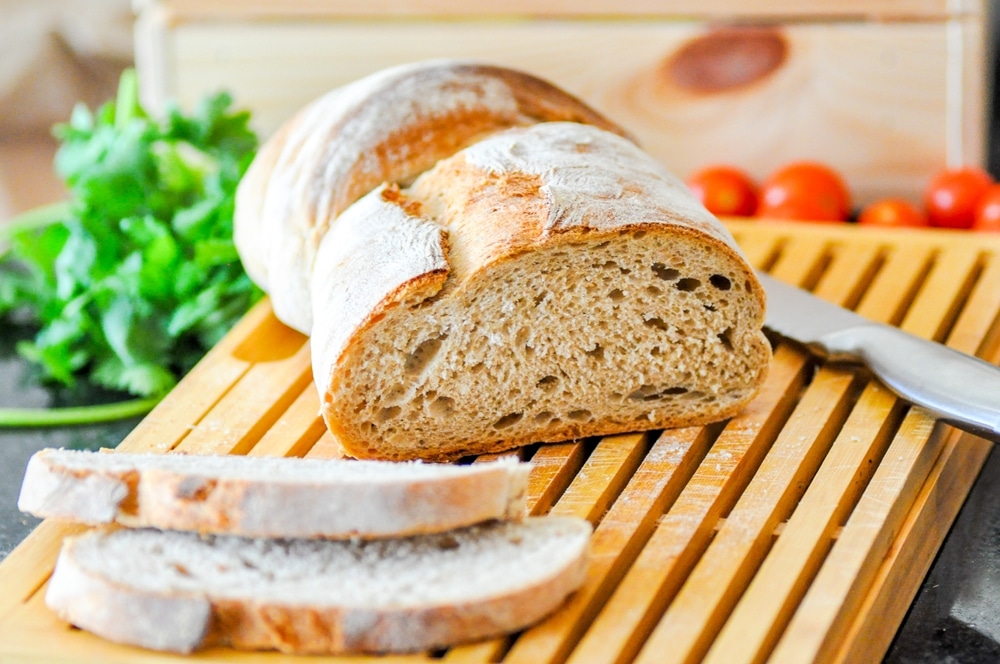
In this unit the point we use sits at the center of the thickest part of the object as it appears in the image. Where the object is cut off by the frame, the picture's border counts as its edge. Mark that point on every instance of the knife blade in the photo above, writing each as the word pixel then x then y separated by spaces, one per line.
pixel 960 389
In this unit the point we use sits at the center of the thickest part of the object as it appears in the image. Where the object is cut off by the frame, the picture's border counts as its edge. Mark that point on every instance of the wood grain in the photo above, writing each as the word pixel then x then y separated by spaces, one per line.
pixel 885 102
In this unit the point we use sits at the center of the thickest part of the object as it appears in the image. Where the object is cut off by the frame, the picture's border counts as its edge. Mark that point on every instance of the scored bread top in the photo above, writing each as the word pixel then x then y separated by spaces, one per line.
pixel 387 127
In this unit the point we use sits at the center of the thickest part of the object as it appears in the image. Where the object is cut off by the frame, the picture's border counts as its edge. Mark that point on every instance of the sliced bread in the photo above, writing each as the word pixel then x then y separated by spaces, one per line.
pixel 271 497
pixel 548 282
pixel 180 592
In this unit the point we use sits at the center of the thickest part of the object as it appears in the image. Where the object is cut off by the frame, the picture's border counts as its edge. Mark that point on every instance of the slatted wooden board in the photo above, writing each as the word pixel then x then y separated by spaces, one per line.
pixel 798 531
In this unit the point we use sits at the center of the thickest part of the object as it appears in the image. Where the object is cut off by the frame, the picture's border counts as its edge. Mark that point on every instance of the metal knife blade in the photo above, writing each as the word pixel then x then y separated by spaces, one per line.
pixel 955 387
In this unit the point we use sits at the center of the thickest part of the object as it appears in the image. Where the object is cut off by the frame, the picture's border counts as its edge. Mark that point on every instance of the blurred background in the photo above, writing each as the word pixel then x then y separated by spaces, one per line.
pixel 887 91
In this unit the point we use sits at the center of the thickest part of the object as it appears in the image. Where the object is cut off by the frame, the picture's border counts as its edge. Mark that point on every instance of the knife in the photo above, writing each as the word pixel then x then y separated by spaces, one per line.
pixel 959 389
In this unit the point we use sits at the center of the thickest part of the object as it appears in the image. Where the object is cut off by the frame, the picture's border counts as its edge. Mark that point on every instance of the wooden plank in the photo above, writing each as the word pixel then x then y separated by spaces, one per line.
pixel 766 606
pixel 942 496
pixel 191 10
pixel 296 431
pixel 254 403
pixel 724 569
pixel 880 102
pixel 554 467
pixel 28 566
pixel 821 622
pixel 903 570
pixel 684 531
pixel 327 447
pixel 802 260
pixel 84 648
pixel 618 538
pixel 602 477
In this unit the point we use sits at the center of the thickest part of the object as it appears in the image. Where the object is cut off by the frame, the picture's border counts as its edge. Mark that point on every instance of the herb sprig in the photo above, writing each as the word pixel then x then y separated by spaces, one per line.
pixel 134 278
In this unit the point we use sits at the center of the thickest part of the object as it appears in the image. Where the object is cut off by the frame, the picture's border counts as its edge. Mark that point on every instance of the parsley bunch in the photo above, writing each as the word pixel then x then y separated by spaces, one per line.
pixel 136 276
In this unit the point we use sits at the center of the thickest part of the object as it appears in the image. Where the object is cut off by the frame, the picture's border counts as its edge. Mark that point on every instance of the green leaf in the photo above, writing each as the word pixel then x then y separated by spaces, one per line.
pixel 137 276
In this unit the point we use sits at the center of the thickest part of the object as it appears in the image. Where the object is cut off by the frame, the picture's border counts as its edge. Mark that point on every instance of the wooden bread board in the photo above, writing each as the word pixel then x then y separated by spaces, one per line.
pixel 798 531
pixel 885 91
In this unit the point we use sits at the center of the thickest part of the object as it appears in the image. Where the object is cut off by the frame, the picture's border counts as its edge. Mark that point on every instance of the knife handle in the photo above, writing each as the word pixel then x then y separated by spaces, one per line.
pixel 958 388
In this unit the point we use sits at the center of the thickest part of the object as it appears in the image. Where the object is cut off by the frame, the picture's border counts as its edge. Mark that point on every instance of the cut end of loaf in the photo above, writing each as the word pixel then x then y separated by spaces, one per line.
pixel 634 331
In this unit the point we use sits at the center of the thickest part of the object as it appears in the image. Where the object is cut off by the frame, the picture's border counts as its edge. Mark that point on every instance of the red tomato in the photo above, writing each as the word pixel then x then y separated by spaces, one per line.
pixel 952 195
pixel 724 190
pixel 988 210
pixel 805 190
pixel 892 213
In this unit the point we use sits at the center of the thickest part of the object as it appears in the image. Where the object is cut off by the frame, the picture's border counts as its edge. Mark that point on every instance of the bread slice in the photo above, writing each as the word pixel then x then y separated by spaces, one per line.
pixel 271 497
pixel 387 127
pixel 179 592
pixel 546 283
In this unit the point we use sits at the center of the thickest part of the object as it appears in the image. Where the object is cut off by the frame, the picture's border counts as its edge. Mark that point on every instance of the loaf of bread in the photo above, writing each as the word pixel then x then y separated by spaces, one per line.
pixel 546 281
pixel 271 497
pixel 387 127
pixel 180 592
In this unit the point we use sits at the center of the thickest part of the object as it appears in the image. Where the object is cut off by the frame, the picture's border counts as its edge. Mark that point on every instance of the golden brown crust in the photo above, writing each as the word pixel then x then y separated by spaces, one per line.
pixel 518 194
pixel 387 128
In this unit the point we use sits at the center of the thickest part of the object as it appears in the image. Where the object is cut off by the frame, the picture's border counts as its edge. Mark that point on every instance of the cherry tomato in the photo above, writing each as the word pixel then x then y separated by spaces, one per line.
pixel 988 210
pixel 952 195
pixel 724 190
pixel 892 213
pixel 807 191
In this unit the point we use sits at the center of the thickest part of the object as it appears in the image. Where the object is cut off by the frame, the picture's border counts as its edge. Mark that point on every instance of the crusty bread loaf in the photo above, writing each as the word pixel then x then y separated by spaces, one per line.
pixel 179 592
pixel 271 497
pixel 545 283
pixel 387 127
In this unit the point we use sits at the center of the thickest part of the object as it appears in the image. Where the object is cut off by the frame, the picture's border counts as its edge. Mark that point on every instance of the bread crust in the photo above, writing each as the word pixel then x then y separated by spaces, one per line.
pixel 139 490
pixel 516 194
pixel 388 127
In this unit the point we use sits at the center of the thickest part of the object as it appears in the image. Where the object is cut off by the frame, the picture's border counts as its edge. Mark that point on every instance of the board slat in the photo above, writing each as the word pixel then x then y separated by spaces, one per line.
pixel 799 530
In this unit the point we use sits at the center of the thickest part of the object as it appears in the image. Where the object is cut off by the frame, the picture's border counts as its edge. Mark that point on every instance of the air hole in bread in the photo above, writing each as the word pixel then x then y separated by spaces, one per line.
pixel 664 272
pixel 726 337
pixel 442 406
pixel 721 282
pixel 579 415
pixel 616 295
pixel 657 323
pixel 638 235
pixel 521 338
pixel 688 284
pixel 597 352
pixel 653 393
pixel 477 367
pixel 422 355
pixel 508 420
pixel 654 291
pixel 543 417
pixel 548 383
pixel 709 306
pixel 389 413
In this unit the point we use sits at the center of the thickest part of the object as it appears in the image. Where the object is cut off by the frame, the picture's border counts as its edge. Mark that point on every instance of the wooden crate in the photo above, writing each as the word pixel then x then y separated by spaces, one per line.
pixel 797 531
pixel 887 91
